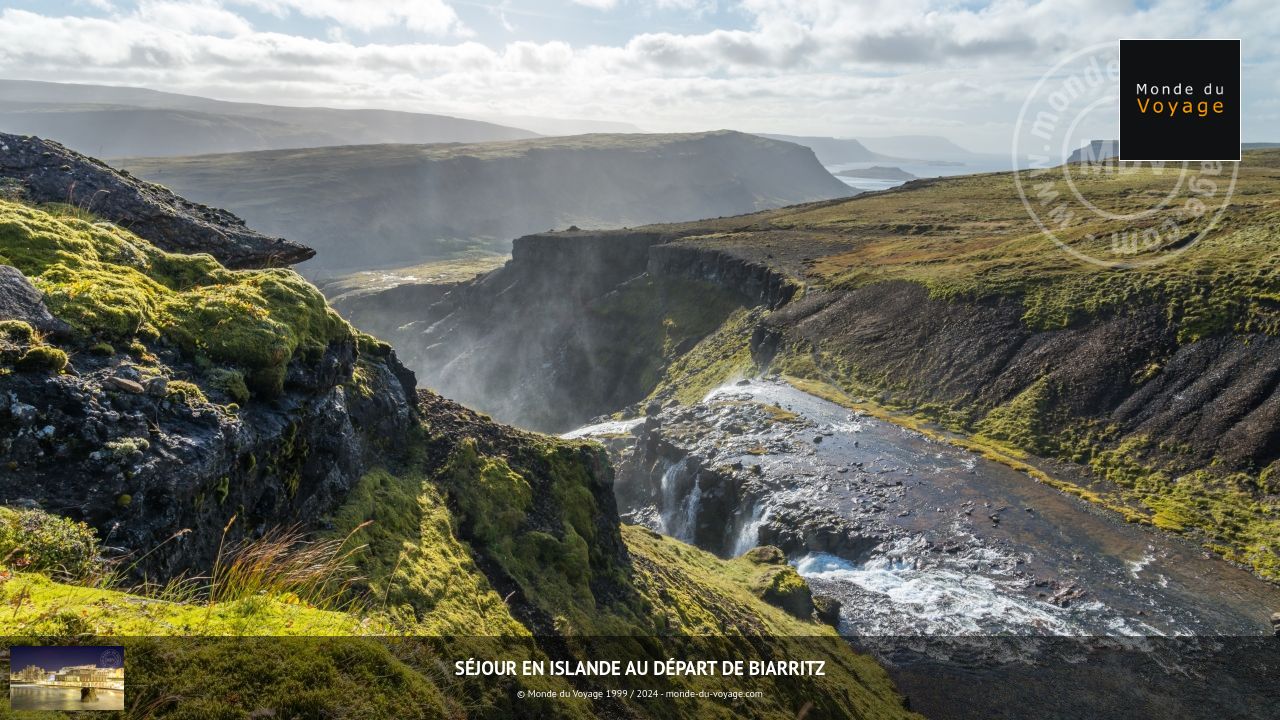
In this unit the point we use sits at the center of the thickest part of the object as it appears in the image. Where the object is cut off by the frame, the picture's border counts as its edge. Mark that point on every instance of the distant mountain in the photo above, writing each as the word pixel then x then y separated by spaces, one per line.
pixel 563 126
pixel 878 172
pixel 380 206
pixel 108 121
pixel 831 151
pixel 919 147
pixel 1096 151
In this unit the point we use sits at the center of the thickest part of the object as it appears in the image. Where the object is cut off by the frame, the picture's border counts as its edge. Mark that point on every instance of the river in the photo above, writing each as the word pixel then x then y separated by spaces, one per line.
pixel 925 542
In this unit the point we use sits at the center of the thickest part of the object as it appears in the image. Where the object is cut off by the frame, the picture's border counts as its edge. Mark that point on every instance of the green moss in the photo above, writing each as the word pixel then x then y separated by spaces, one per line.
pixel 360 383
pixel 492 497
pixel 111 285
pixel 1023 420
pixel 185 392
pixel 18 331
pixel 102 349
pixel 113 613
pixel 231 382
pixel 42 358
pixel 783 587
pixel 414 564
pixel 719 357
pixel 370 345
pixel 124 500
pixel 128 447
pixel 37 541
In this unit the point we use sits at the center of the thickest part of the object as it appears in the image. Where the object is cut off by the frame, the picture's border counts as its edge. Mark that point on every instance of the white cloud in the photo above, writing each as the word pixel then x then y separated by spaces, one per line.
pixel 597 4
pixel 800 66
pixel 192 16
pixel 426 16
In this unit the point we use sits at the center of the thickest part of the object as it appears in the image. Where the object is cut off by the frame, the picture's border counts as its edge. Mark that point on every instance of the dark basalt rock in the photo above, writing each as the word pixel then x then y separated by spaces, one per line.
pixel 44 171
pixel 20 300
pixel 76 445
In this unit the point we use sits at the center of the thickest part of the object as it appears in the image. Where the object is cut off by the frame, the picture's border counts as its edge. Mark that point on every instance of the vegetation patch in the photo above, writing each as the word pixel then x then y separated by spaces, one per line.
pixel 39 542
pixel 718 358
pixel 112 286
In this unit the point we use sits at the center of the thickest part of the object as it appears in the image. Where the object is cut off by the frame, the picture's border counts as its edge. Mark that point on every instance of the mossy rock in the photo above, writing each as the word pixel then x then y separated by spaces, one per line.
pixel 230 382
pixel 17 331
pixel 112 286
pixel 766 555
pixel 184 391
pixel 42 358
pixel 784 588
pixel 370 345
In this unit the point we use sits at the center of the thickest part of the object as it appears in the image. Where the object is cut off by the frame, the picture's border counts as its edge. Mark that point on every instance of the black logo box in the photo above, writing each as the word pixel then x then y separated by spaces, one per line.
pixel 1183 65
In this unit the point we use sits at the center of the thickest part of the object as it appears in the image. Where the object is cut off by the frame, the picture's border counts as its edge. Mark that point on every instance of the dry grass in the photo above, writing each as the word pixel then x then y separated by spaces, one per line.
pixel 284 563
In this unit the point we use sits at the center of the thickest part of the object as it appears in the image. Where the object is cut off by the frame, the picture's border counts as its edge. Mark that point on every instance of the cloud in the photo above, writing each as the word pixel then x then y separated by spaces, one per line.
pixel 192 16
pixel 426 16
pixel 801 66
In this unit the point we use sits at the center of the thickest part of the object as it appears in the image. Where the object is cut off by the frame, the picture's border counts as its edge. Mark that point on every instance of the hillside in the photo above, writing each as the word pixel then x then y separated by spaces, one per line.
pixel 1150 391
pixel 198 451
pixel 108 121
pixel 365 207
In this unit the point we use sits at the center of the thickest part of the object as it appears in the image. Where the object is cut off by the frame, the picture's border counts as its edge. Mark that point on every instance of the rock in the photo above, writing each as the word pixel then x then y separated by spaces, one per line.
pixel 766 555
pixel 827 609
pixel 20 300
pixel 125 384
pixel 1275 623
pixel 157 386
pixel 150 211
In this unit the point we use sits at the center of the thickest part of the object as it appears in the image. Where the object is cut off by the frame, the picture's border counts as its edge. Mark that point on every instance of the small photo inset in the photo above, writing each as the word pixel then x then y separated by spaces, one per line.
pixel 86 677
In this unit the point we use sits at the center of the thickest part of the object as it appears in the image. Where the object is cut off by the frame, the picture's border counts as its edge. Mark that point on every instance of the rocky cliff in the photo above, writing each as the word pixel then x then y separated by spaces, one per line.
pixel 1151 391
pixel 576 324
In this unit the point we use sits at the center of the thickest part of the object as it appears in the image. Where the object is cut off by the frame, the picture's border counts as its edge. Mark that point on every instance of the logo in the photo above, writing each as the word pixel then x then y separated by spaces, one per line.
pixel 1092 205
pixel 110 658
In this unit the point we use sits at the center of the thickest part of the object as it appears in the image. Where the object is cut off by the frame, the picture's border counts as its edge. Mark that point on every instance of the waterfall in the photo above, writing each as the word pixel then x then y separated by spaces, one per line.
pixel 670 491
pixel 688 528
pixel 749 534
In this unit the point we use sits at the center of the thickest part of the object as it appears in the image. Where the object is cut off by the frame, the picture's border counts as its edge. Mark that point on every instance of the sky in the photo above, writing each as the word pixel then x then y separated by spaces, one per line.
pixel 58 657
pixel 808 67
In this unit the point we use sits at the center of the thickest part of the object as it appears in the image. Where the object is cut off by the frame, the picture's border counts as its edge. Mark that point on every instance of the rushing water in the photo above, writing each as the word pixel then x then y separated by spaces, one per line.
pixel 975 548
pixel 982 592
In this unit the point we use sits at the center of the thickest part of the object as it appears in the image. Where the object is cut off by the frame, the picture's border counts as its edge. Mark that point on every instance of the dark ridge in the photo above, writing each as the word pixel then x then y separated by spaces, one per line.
pixel 43 171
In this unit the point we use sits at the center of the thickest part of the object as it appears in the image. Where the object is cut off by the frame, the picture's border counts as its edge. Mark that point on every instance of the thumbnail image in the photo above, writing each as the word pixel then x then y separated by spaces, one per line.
pixel 66 678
